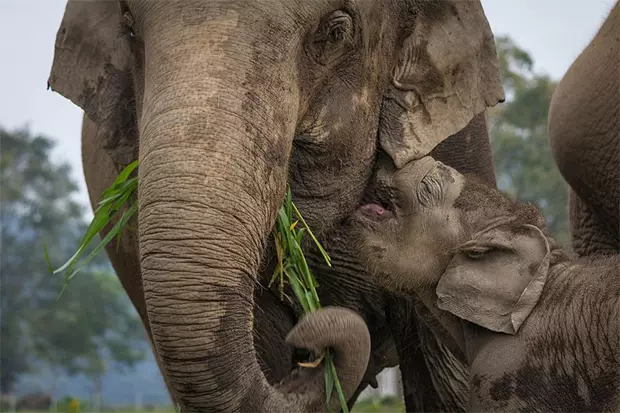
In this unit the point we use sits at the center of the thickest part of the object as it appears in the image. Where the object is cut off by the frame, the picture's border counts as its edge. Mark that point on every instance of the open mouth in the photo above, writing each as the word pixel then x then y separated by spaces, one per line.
pixel 377 205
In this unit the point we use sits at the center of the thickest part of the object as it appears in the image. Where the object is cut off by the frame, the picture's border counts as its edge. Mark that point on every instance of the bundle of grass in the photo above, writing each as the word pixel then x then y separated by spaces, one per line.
pixel 292 265
pixel 110 207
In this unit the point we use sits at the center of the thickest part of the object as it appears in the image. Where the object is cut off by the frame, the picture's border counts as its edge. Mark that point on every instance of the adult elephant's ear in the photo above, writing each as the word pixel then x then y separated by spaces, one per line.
pixel 496 279
pixel 447 73
pixel 92 67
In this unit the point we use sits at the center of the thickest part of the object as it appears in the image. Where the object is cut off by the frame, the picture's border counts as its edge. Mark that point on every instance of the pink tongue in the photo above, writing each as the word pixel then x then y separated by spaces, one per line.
pixel 373 209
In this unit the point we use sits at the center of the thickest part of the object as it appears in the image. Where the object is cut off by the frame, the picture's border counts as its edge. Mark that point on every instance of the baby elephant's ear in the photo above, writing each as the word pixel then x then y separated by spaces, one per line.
pixel 447 73
pixel 496 280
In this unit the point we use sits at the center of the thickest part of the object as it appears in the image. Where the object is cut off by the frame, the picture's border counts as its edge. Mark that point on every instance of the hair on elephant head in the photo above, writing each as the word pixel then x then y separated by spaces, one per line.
pixel 224 102
pixel 505 296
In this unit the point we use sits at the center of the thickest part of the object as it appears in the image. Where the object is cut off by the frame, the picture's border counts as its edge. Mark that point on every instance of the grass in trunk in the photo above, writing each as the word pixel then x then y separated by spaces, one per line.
pixel 292 266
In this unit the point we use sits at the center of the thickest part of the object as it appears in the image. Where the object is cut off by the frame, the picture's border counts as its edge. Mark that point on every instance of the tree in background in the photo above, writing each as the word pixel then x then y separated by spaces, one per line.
pixel 522 156
pixel 93 320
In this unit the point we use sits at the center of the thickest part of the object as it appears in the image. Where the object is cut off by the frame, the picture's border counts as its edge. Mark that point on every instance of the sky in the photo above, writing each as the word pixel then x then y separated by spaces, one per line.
pixel 553 31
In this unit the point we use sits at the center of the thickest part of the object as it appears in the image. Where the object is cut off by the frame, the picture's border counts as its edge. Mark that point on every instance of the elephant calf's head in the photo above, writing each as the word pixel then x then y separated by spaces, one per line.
pixel 433 229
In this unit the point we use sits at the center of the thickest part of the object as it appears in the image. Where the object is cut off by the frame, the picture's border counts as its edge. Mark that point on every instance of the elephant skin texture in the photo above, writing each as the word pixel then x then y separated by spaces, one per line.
pixel 224 103
pixel 584 133
pixel 537 327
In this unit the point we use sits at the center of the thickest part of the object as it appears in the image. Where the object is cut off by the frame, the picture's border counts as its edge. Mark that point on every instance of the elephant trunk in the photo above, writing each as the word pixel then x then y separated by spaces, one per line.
pixel 214 149
pixel 346 333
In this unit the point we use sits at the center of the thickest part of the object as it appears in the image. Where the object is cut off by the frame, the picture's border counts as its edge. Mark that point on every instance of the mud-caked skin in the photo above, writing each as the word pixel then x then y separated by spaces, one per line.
pixel 538 327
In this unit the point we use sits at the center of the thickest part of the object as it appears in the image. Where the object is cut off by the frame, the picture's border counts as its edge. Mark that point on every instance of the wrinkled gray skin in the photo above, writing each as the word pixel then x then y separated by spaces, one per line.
pixel 538 328
pixel 339 329
pixel 584 133
pixel 223 103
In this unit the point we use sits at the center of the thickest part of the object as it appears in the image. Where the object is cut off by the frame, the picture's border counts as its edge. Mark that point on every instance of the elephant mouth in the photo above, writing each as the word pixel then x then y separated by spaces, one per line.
pixel 374 211
pixel 376 206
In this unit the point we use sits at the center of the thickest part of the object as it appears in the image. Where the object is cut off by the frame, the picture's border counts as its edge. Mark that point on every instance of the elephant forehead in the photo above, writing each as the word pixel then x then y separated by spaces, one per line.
pixel 196 13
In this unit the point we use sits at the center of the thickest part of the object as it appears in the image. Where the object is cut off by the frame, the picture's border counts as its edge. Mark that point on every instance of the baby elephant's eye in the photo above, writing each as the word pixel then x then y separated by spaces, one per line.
pixel 476 253
pixel 428 191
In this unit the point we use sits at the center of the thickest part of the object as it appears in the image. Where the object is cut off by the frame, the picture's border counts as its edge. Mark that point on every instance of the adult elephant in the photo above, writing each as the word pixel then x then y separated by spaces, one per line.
pixel 224 102
pixel 584 132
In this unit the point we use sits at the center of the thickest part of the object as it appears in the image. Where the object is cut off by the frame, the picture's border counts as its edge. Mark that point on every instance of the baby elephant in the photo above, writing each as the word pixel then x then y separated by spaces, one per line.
pixel 540 331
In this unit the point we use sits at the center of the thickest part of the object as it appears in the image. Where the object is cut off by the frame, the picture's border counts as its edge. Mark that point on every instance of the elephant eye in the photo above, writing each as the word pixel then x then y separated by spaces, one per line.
pixel 477 252
pixel 335 36
pixel 428 191
pixel 340 29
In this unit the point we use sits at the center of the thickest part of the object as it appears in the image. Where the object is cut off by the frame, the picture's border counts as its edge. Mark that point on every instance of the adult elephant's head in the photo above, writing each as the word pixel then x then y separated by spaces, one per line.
pixel 227 100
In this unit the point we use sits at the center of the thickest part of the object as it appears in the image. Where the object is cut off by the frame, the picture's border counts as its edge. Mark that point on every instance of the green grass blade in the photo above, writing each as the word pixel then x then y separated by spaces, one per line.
pixel 316 241
pixel 126 171
pixel 304 269
pixel 299 235
pixel 332 367
pixel 47 258
pixel 116 190
pixel 312 303
pixel 329 379
pixel 298 289
pixel 96 225
pixel 62 290
pixel 108 237
pixel 122 177
pixel 276 274
pixel 100 220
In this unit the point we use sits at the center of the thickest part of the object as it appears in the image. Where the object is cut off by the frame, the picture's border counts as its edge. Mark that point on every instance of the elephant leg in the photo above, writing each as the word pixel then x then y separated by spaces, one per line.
pixel 590 234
